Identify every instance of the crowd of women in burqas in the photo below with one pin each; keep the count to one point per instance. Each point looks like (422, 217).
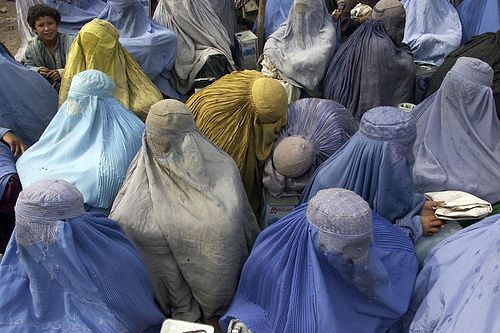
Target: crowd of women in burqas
(128, 196)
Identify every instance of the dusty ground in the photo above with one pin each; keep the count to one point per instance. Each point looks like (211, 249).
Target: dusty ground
(8, 25)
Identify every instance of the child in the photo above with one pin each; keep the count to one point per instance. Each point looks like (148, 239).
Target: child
(46, 52)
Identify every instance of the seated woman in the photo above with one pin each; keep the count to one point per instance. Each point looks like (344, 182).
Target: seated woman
(457, 290)
(372, 68)
(316, 129)
(376, 163)
(152, 45)
(46, 53)
(329, 266)
(69, 271)
(185, 208)
(97, 47)
(27, 101)
(457, 146)
(242, 114)
(202, 41)
(303, 45)
(432, 30)
(89, 143)
(10, 186)
(484, 47)
(478, 17)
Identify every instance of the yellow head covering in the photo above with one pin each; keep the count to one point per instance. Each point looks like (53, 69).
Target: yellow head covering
(242, 113)
(97, 47)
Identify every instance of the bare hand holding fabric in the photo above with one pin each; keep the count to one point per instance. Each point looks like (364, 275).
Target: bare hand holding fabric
(430, 223)
(16, 145)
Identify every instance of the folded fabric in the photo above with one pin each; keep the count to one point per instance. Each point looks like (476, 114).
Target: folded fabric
(459, 205)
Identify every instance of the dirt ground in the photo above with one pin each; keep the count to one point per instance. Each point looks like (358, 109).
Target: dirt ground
(8, 25)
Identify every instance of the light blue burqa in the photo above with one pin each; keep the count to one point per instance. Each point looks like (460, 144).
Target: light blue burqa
(289, 285)
(478, 16)
(65, 270)
(90, 142)
(377, 164)
(432, 30)
(458, 289)
(153, 46)
(27, 101)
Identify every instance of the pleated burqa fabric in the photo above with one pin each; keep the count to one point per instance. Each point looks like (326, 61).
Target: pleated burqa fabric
(291, 283)
(242, 114)
(458, 131)
(478, 17)
(27, 100)
(303, 45)
(70, 271)
(153, 46)
(325, 125)
(484, 47)
(432, 30)
(457, 289)
(185, 208)
(226, 12)
(369, 70)
(89, 143)
(97, 47)
(377, 164)
(200, 35)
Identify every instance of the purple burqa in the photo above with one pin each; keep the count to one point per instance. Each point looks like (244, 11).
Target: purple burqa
(457, 145)
(369, 69)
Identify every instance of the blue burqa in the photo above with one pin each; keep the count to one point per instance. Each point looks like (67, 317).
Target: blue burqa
(458, 288)
(288, 285)
(432, 30)
(90, 142)
(7, 166)
(76, 13)
(69, 271)
(377, 164)
(276, 13)
(27, 101)
(457, 145)
(360, 75)
(478, 17)
(152, 45)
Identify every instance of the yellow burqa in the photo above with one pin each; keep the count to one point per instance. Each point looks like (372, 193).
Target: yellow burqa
(242, 113)
(97, 47)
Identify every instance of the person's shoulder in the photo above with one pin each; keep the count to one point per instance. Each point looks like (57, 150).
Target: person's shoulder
(388, 236)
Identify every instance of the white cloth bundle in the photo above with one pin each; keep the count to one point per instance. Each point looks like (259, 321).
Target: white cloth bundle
(459, 205)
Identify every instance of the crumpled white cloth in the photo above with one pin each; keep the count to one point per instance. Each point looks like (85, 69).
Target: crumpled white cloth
(459, 205)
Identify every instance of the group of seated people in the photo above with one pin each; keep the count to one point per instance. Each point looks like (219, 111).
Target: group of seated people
(128, 197)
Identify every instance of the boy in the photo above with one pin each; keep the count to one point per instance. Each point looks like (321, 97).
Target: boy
(46, 52)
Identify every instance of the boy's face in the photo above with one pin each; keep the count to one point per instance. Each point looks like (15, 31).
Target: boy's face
(46, 28)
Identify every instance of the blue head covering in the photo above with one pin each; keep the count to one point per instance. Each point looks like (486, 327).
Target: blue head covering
(152, 45)
(27, 101)
(359, 75)
(68, 271)
(432, 29)
(478, 17)
(325, 125)
(458, 288)
(377, 163)
(90, 142)
(329, 266)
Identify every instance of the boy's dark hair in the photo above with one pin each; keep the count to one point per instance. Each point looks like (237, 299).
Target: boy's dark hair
(36, 11)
